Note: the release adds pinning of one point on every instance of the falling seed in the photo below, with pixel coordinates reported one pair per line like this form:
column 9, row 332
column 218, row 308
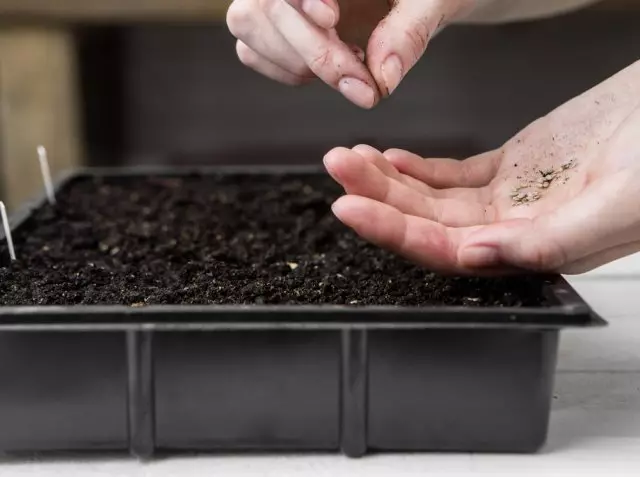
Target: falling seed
column 292, row 265
column 353, row 302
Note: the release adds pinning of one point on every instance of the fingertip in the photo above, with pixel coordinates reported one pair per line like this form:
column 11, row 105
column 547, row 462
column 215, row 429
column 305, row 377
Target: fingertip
column 399, row 158
column 365, row 150
column 345, row 167
column 391, row 154
column 324, row 14
column 334, row 157
column 354, row 211
column 340, row 206
column 370, row 219
column 358, row 92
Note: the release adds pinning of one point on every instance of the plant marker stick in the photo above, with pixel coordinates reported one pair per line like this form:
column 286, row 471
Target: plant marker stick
column 7, row 231
column 46, row 175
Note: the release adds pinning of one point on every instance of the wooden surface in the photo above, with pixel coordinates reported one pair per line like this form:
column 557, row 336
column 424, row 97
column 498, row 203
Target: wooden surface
column 150, row 10
column 37, row 106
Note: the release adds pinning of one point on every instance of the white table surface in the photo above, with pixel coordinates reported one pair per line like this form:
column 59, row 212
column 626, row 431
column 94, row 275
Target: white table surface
column 595, row 422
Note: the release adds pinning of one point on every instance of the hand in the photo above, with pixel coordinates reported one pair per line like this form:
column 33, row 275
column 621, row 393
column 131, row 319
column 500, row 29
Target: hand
column 295, row 41
column 464, row 217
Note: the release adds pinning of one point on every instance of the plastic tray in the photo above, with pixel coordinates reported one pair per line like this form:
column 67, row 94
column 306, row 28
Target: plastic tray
column 280, row 378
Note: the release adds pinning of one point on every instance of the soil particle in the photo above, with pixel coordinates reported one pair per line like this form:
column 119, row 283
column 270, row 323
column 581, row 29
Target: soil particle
column 241, row 239
column 542, row 179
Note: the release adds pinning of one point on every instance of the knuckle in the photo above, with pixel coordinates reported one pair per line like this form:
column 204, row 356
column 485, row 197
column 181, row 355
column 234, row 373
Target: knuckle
column 320, row 61
column 240, row 18
column 417, row 37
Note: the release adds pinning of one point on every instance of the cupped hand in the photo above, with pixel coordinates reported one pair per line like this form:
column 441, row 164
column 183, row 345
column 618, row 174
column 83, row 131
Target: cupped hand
column 295, row 41
column 563, row 195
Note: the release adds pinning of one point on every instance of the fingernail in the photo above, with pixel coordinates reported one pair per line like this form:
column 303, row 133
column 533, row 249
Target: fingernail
column 357, row 92
column 480, row 256
column 392, row 72
column 319, row 12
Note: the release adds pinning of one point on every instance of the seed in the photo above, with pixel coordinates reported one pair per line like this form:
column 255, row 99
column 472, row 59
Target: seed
column 292, row 265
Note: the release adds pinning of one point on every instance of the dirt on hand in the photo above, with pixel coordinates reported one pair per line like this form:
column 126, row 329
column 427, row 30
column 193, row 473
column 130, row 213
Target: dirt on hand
column 536, row 182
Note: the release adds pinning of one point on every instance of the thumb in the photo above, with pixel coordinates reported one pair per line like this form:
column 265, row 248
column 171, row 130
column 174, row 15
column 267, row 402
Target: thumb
column 401, row 39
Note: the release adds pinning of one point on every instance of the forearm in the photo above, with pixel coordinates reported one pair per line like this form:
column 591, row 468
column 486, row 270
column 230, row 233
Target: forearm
column 503, row 11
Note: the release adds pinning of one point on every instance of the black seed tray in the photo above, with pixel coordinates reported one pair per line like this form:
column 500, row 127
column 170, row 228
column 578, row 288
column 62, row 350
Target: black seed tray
column 265, row 377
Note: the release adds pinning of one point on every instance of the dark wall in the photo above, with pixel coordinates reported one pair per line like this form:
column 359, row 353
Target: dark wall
column 180, row 94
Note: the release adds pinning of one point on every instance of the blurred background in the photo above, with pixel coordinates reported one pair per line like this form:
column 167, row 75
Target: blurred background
column 127, row 82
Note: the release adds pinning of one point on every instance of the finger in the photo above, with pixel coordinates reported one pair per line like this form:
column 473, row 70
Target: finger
column 248, row 23
column 376, row 158
column 401, row 39
column 591, row 223
column 476, row 171
column 324, row 13
column 359, row 177
column 427, row 243
column 596, row 260
column 253, row 60
column 326, row 55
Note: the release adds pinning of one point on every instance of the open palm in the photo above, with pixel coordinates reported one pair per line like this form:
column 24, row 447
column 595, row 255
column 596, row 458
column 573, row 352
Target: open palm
column 561, row 195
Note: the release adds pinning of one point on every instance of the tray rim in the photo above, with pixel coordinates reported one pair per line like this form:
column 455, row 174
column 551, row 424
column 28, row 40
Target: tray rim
column 571, row 310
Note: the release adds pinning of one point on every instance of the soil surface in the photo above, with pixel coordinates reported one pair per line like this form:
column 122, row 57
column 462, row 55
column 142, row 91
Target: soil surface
column 219, row 240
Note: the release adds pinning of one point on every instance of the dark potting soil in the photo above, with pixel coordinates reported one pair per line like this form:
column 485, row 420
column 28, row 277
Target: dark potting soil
column 219, row 240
